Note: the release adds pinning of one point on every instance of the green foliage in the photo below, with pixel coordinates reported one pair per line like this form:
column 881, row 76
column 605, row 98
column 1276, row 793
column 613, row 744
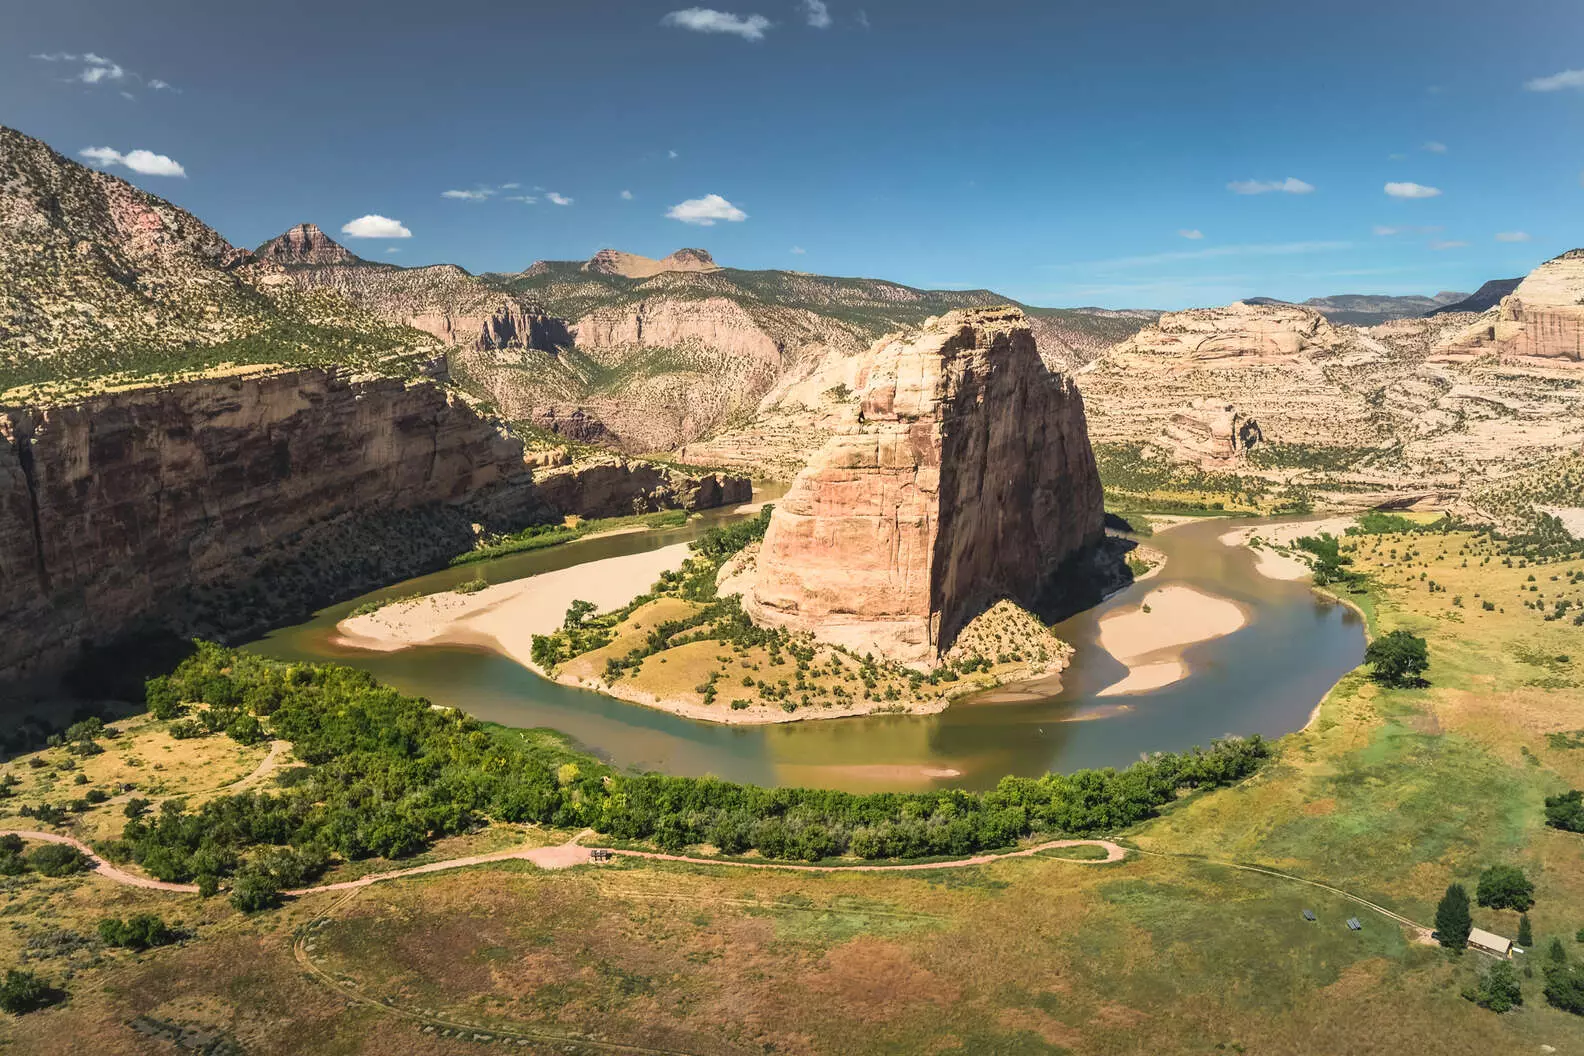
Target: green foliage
column 1498, row 988
column 1398, row 658
column 57, row 859
column 576, row 613
column 388, row 774
column 141, row 931
column 1453, row 922
column 1525, row 931
column 255, row 890
column 1328, row 558
column 23, row 992
column 1374, row 522
column 1566, row 811
column 1505, row 887
column 472, row 586
column 1564, row 987
column 540, row 536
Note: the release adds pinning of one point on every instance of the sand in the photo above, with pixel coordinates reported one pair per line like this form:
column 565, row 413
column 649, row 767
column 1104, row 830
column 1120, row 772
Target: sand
column 1272, row 544
column 506, row 616
column 1151, row 643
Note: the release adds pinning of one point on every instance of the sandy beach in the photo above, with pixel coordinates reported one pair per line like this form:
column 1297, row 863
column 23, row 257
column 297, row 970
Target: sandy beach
column 1272, row 544
column 507, row 616
column 1151, row 643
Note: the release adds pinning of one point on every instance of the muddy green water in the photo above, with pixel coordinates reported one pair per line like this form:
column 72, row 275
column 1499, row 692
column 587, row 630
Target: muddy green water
column 1265, row 678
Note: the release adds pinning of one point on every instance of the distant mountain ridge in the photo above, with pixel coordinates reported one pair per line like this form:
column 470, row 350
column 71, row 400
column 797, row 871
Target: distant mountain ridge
column 1483, row 299
column 1369, row 309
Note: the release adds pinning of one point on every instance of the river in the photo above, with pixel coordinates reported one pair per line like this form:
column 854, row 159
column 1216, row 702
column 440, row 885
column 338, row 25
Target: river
column 1264, row 678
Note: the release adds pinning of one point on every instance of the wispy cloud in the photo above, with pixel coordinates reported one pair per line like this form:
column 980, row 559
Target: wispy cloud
column 1452, row 244
column 1291, row 185
column 96, row 69
column 375, row 226
column 1512, row 236
column 708, row 20
column 1411, row 190
column 510, row 186
column 626, row 196
column 672, row 155
column 799, row 250
column 477, row 195
column 1557, row 81
column 1191, row 233
column 705, row 211
column 1255, row 249
column 143, row 162
column 526, row 199
column 1434, row 146
column 862, row 18
column 558, row 199
column 1389, row 230
column 817, row 13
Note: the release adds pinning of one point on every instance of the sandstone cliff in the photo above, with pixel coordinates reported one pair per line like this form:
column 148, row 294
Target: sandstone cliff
column 1541, row 323
column 226, row 505
column 633, row 266
column 304, row 244
column 966, row 478
column 1212, row 433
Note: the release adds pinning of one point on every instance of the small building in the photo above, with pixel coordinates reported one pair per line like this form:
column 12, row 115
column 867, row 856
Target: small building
column 1354, row 925
column 1488, row 942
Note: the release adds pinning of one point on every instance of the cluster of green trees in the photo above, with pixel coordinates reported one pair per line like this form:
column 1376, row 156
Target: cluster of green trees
column 1566, row 811
column 47, row 859
column 1499, row 988
column 1398, row 659
column 388, row 773
column 141, row 931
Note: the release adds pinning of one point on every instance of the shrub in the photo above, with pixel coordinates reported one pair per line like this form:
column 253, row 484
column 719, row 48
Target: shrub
column 138, row 932
column 23, row 992
column 57, row 859
column 1498, row 989
column 1505, row 887
column 1564, row 987
column 1525, row 931
column 255, row 890
column 1566, row 811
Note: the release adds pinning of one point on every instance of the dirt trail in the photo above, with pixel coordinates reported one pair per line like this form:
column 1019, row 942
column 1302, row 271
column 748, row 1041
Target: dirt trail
column 566, row 855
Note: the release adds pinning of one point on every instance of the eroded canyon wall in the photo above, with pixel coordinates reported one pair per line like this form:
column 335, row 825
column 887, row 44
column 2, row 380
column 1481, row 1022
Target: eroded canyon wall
column 222, row 506
column 967, row 477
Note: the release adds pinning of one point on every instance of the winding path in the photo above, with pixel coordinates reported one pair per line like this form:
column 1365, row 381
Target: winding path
column 566, row 855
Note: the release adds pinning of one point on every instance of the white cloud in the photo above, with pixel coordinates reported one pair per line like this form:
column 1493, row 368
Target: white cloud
column 817, row 13
column 799, row 250
column 159, row 85
column 707, row 20
column 559, row 199
column 510, row 186
column 96, row 69
column 468, row 196
column 393, row 249
column 705, row 211
column 1512, row 236
column 1291, row 185
column 862, row 18
column 1435, row 147
column 626, row 196
column 671, row 154
column 1448, row 245
column 526, row 199
column 1557, row 81
column 1396, row 157
column 143, row 162
column 375, row 226
column 1191, row 233
column 1411, row 190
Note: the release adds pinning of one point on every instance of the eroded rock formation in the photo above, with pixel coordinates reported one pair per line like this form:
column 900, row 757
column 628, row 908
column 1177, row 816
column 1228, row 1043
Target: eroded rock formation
column 1541, row 323
column 223, row 506
column 966, row 478
column 1211, row 432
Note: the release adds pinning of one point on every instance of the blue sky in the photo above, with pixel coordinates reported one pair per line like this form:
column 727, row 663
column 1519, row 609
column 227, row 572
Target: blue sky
column 1062, row 153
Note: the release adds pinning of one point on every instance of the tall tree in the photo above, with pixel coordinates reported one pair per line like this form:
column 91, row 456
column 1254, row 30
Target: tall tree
column 1452, row 919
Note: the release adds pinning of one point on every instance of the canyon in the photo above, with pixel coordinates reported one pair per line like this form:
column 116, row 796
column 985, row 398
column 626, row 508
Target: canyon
column 965, row 478
column 223, row 506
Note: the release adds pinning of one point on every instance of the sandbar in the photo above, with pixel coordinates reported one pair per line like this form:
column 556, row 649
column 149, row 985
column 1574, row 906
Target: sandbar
column 1274, row 557
column 1151, row 643
column 506, row 616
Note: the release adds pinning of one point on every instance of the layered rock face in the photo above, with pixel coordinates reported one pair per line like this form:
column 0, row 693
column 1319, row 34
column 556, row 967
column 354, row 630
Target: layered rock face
column 1238, row 335
column 223, row 506
column 633, row 266
column 1541, row 323
column 966, row 478
column 614, row 487
column 1213, row 433
column 304, row 244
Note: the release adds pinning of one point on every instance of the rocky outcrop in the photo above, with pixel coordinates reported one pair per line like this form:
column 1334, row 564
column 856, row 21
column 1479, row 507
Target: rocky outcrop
column 224, row 506
column 965, row 479
column 1210, row 432
column 1540, row 324
column 716, row 322
column 615, row 487
column 304, row 244
column 1238, row 335
column 632, row 266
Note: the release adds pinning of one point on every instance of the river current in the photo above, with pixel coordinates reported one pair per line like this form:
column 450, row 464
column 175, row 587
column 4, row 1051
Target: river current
column 1266, row 677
